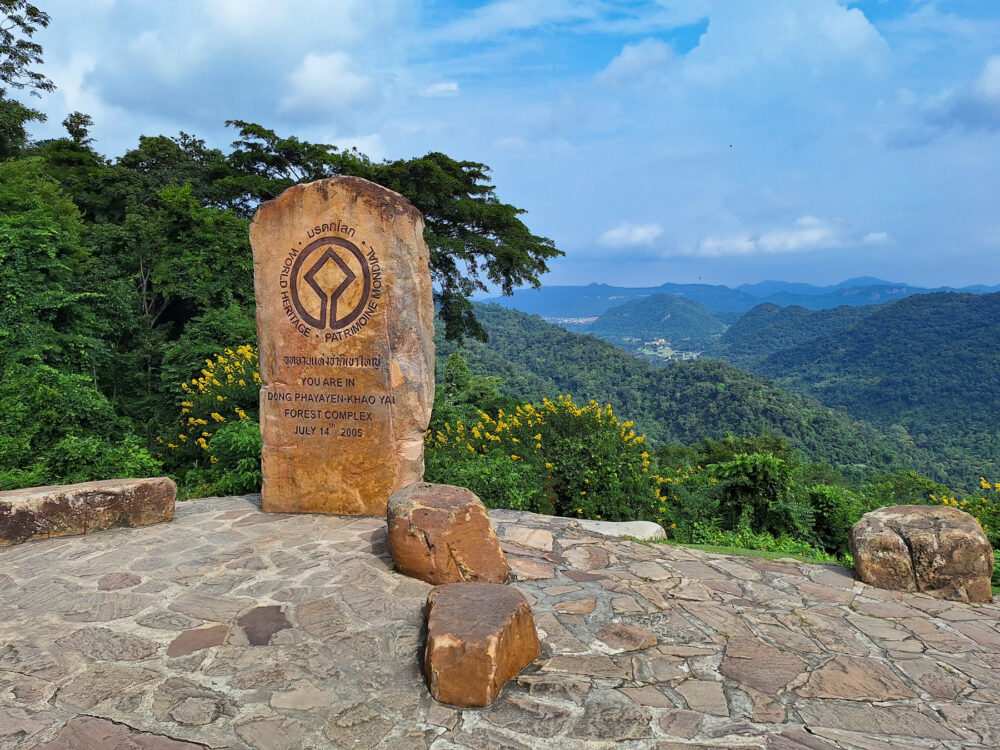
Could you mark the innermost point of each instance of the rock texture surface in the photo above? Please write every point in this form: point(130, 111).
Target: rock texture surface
point(66, 510)
point(442, 534)
point(341, 637)
point(345, 325)
point(941, 551)
point(479, 635)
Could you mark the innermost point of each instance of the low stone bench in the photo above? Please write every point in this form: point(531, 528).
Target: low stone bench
point(479, 635)
point(442, 534)
point(937, 550)
point(66, 510)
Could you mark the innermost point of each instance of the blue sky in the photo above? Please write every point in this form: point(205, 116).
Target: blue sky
point(725, 141)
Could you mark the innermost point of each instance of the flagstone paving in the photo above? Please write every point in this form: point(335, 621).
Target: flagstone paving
point(231, 628)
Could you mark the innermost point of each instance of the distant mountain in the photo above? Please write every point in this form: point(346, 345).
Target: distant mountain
point(594, 300)
point(684, 323)
point(680, 403)
point(926, 365)
point(769, 328)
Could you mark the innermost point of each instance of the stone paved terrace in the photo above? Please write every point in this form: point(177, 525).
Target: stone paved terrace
point(230, 628)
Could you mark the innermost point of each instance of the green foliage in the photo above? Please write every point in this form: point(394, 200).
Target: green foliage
point(46, 312)
point(459, 395)
point(767, 329)
point(756, 495)
point(733, 541)
point(237, 448)
point(20, 20)
point(203, 338)
point(835, 510)
point(924, 367)
point(56, 427)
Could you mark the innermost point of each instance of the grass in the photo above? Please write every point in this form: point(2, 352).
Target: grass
point(743, 552)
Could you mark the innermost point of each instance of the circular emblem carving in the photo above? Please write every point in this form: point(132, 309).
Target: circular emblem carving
point(330, 283)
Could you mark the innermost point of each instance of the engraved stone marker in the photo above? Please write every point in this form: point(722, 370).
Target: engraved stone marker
point(345, 323)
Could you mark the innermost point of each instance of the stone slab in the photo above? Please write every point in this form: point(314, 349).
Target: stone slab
point(71, 509)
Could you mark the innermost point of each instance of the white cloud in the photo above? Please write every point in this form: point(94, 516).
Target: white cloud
point(497, 18)
point(445, 88)
point(630, 235)
point(805, 234)
point(370, 145)
point(876, 238)
point(973, 106)
point(636, 60)
point(326, 83)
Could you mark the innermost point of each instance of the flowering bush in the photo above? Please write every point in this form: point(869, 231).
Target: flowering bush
point(557, 458)
point(227, 391)
point(984, 506)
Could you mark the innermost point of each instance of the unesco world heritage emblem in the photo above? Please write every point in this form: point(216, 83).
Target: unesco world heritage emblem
point(330, 286)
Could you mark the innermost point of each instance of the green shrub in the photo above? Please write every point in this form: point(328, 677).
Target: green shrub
point(236, 470)
point(835, 510)
point(755, 495)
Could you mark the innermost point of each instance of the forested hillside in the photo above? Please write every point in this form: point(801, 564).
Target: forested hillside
point(768, 328)
point(679, 404)
point(682, 322)
point(927, 364)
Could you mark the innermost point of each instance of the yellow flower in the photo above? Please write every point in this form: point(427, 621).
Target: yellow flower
point(548, 465)
point(515, 458)
point(218, 417)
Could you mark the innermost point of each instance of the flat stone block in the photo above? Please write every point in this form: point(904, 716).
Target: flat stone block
point(479, 635)
point(67, 510)
point(442, 534)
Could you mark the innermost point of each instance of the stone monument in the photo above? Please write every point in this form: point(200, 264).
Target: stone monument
point(345, 325)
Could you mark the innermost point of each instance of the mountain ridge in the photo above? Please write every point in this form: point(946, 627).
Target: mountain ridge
point(594, 299)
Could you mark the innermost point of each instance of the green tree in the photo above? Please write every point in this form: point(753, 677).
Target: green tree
point(46, 310)
point(18, 23)
point(474, 238)
point(19, 20)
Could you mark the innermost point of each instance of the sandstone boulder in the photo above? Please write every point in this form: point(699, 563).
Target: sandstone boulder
point(345, 320)
point(43, 512)
point(941, 551)
point(442, 534)
point(479, 635)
